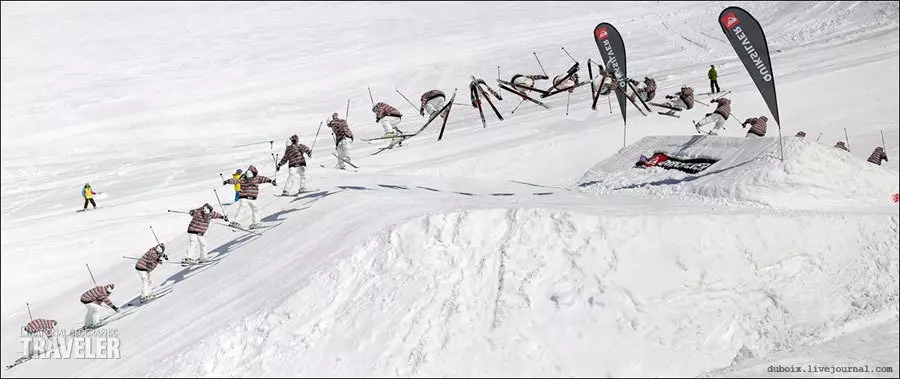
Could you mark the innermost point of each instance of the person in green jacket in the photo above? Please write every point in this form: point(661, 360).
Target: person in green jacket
point(713, 79)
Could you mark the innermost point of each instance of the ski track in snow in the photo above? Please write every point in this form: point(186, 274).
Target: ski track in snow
point(527, 248)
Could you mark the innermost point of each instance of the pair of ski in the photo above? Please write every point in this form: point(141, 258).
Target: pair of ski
point(509, 87)
point(671, 112)
point(596, 92)
point(476, 93)
point(444, 112)
point(355, 167)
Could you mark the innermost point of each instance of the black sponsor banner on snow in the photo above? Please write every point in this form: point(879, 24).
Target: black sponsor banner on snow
point(688, 165)
point(749, 42)
point(612, 49)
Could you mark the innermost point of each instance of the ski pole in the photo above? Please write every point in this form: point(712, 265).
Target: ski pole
point(372, 100)
point(517, 106)
point(221, 177)
point(407, 100)
point(254, 143)
point(498, 72)
point(154, 234)
point(609, 102)
point(883, 145)
point(317, 136)
point(570, 55)
point(847, 138)
point(539, 63)
point(137, 259)
point(568, 97)
point(217, 199)
point(347, 115)
point(92, 274)
point(29, 312)
point(820, 136)
point(182, 212)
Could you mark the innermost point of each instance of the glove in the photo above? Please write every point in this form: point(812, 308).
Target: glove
point(277, 167)
point(422, 112)
point(164, 256)
point(225, 183)
point(670, 97)
point(115, 308)
point(191, 212)
point(225, 218)
point(707, 115)
point(275, 183)
point(712, 101)
point(310, 154)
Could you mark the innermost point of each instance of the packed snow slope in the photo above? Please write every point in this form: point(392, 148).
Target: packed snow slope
point(530, 247)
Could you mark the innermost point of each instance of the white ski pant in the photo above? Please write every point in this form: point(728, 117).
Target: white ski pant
point(523, 81)
point(713, 117)
point(295, 175)
point(751, 135)
point(92, 317)
point(433, 105)
point(677, 103)
point(243, 205)
point(389, 123)
point(195, 241)
point(343, 152)
point(145, 282)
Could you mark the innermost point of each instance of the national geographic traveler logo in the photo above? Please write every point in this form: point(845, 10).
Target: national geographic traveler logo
point(72, 344)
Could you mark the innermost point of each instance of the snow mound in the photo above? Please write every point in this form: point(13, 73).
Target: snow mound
point(812, 175)
point(534, 292)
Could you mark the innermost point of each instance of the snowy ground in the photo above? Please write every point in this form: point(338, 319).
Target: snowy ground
point(526, 248)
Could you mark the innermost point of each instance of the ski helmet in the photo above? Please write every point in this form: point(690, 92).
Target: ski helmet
point(86, 184)
point(295, 139)
point(334, 116)
point(239, 171)
point(206, 208)
point(160, 248)
point(764, 118)
point(110, 287)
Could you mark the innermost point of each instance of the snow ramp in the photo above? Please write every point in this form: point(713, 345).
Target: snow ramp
point(537, 292)
point(812, 175)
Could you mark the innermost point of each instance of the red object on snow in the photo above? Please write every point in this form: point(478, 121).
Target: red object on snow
point(897, 197)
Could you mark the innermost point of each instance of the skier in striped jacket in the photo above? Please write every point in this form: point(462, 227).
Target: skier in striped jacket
point(147, 263)
point(432, 101)
point(683, 100)
point(877, 156)
point(39, 330)
point(389, 117)
point(757, 126)
point(294, 152)
point(92, 299)
point(723, 110)
point(343, 137)
point(200, 219)
point(648, 91)
point(250, 182)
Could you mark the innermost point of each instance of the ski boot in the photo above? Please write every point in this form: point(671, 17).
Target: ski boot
point(235, 224)
point(203, 260)
point(146, 298)
point(255, 226)
point(188, 261)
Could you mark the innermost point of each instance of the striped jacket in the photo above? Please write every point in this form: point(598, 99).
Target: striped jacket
point(249, 186)
point(383, 110)
point(687, 96)
point(757, 125)
point(149, 260)
point(341, 129)
point(200, 222)
point(41, 325)
point(724, 107)
point(877, 156)
point(841, 145)
point(428, 96)
point(650, 89)
point(96, 295)
point(293, 155)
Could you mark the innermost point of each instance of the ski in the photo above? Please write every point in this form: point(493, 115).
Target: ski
point(509, 84)
point(666, 106)
point(565, 89)
point(553, 90)
point(475, 100)
point(198, 263)
point(632, 101)
point(597, 94)
point(446, 115)
point(635, 93)
point(235, 227)
point(522, 95)
point(488, 98)
point(345, 161)
point(670, 114)
point(160, 292)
